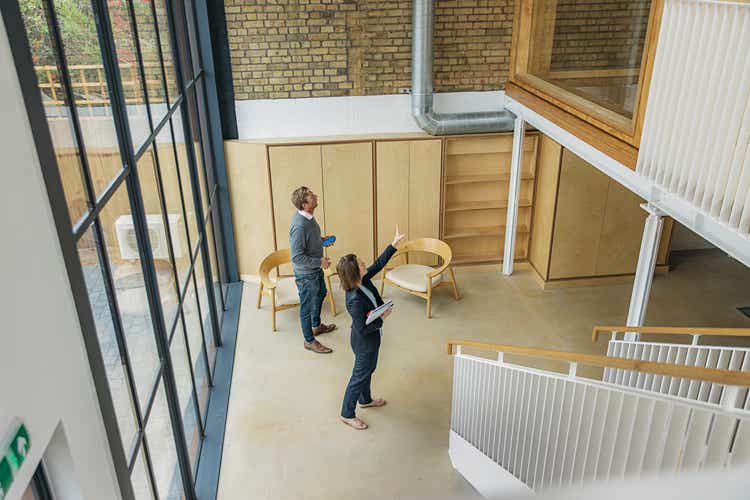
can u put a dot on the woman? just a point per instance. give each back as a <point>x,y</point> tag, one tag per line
<point>361,298</point>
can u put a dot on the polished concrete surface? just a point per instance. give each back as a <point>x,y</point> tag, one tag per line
<point>284,439</point>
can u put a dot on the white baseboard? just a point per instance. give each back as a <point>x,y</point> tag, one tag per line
<point>488,478</point>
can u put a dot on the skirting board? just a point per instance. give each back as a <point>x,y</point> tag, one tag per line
<point>488,478</point>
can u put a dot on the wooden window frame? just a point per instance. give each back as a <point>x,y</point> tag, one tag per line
<point>627,130</point>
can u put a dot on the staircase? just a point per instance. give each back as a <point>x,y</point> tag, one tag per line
<point>516,428</point>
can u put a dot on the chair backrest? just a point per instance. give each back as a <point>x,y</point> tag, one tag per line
<point>271,262</point>
<point>428,245</point>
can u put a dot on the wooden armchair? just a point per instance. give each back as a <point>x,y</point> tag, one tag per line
<point>418,279</point>
<point>283,290</point>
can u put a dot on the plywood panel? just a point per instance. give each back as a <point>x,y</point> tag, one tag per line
<point>348,190</point>
<point>424,194</point>
<point>622,230</point>
<point>581,202</point>
<point>545,199</point>
<point>250,201</point>
<point>392,191</point>
<point>292,167</point>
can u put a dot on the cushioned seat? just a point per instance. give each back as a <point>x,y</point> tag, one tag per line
<point>412,277</point>
<point>286,292</point>
<point>283,291</point>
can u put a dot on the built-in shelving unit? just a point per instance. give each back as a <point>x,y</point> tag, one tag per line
<point>475,199</point>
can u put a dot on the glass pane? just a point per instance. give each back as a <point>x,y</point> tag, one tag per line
<point>171,187</point>
<point>142,486</point>
<point>166,48</point>
<point>158,235</point>
<point>162,449</point>
<point>119,384</point>
<point>182,43</point>
<point>127,59</point>
<point>56,107</point>
<point>208,330</point>
<point>189,10</point>
<point>195,343</point>
<point>185,180</point>
<point>215,271</point>
<point>151,62</point>
<point>593,53</point>
<point>124,260</point>
<point>89,87</point>
<point>198,148</point>
<point>184,380</point>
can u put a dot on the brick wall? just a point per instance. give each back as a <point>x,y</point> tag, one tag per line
<point>592,34</point>
<point>316,48</point>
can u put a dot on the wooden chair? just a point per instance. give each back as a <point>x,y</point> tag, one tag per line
<point>418,279</point>
<point>283,290</point>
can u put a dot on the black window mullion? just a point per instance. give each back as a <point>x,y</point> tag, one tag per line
<point>119,113</point>
<point>149,465</point>
<point>79,229</point>
<point>192,167</point>
<point>203,336</point>
<point>160,52</point>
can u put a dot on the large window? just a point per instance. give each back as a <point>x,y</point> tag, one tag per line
<point>124,94</point>
<point>585,57</point>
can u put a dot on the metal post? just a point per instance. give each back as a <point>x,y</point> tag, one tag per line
<point>513,189</point>
<point>644,272</point>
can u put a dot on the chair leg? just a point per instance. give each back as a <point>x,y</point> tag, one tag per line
<point>429,302</point>
<point>382,285</point>
<point>330,296</point>
<point>273,310</point>
<point>260,295</point>
<point>455,285</point>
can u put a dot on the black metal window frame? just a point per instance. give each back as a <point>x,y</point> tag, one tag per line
<point>199,89</point>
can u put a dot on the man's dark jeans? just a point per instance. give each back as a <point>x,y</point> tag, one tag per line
<point>312,292</point>
<point>359,383</point>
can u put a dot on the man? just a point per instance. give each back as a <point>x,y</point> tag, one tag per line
<point>306,246</point>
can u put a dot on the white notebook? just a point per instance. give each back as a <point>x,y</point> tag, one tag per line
<point>378,311</point>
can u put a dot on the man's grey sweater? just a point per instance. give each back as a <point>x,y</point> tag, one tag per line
<point>306,244</point>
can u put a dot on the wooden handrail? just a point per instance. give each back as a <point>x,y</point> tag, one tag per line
<point>672,330</point>
<point>726,377</point>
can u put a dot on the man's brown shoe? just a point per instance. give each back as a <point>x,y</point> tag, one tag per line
<point>323,328</point>
<point>316,346</point>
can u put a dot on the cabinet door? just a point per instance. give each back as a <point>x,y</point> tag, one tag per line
<point>424,194</point>
<point>581,202</point>
<point>622,230</point>
<point>348,192</point>
<point>250,199</point>
<point>292,167</point>
<point>392,192</point>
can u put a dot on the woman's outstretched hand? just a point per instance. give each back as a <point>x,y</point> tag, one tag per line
<point>398,237</point>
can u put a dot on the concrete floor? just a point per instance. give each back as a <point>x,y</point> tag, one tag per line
<point>284,439</point>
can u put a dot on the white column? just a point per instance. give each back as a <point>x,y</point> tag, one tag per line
<point>515,184</point>
<point>644,272</point>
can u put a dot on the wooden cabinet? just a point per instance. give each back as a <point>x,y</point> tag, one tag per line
<point>250,198</point>
<point>585,225</point>
<point>292,167</point>
<point>348,197</point>
<point>477,175</point>
<point>408,192</point>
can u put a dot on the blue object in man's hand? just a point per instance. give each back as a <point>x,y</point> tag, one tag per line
<point>329,241</point>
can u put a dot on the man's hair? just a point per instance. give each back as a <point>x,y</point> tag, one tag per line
<point>299,196</point>
<point>348,270</point>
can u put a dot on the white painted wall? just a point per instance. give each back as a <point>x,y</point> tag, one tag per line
<point>45,378</point>
<point>326,116</point>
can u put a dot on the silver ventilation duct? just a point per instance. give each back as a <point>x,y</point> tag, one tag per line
<point>421,87</point>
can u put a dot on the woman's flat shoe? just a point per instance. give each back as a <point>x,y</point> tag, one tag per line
<point>374,403</point>
<point>355,422</point>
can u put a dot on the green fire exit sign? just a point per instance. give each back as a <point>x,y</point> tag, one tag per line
<point>14,451</point>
